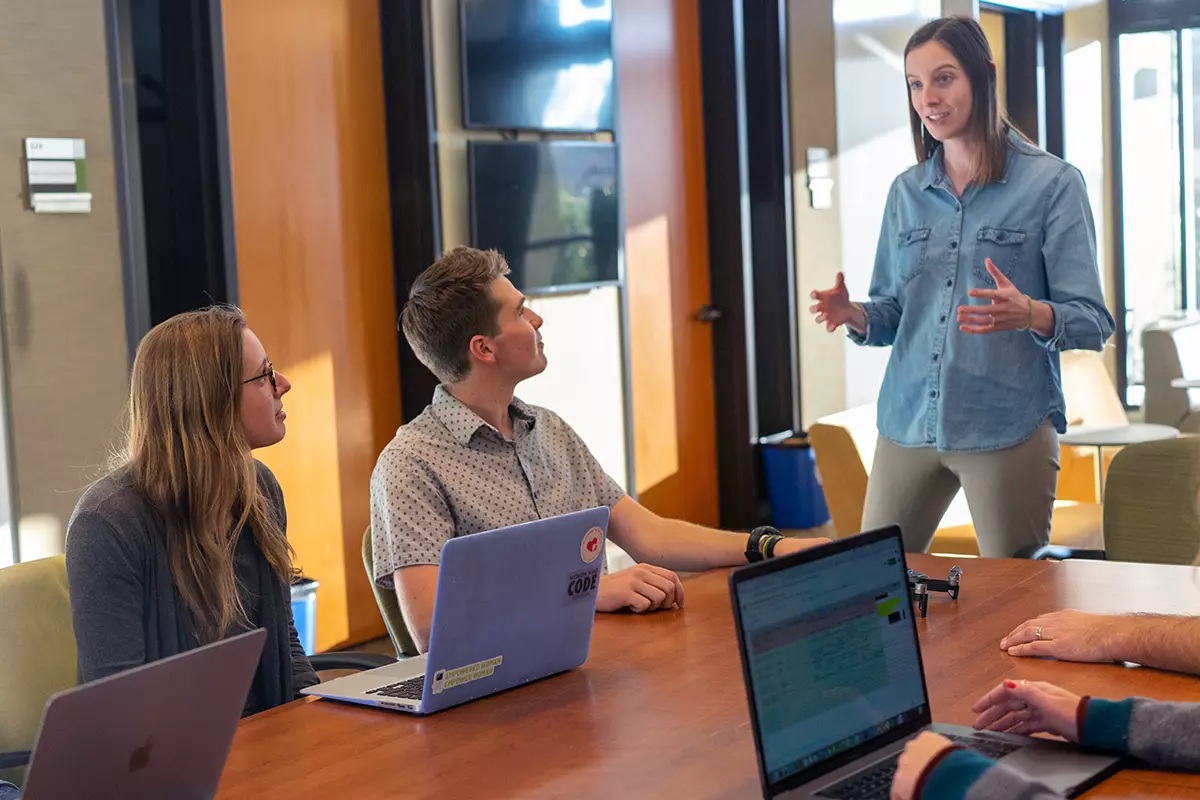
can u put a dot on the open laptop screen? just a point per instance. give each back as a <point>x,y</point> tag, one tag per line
<point>831,654</point>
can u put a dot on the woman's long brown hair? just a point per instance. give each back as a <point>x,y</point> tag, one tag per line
<point>188,454</point>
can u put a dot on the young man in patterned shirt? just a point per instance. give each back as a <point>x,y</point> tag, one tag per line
<point>478,458</point>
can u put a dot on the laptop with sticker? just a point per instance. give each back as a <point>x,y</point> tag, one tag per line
<point>513,605</point>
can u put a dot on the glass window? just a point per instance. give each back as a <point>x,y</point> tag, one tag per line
<point>1151,179</point>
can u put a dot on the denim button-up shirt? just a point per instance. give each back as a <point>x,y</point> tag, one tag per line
<point>973,392</point>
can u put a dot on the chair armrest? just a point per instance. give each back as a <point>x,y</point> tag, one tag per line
<point>1058,552</point>
<point>14,758</point>
<point>349,660</point>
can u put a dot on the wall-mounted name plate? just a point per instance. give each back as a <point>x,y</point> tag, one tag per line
<point>820,178</point>
<point>57,174</point>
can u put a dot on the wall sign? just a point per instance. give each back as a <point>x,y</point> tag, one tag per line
<point>57,174</point>
<point>820,178</point>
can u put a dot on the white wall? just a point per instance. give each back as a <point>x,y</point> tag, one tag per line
<point>874,145</point>
<point>584,380</point>
<point>1087,133</point>
<point>812,64</point>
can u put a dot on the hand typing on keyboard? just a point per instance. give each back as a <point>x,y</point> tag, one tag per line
<point>1029,707</point>
<point>919,752</point>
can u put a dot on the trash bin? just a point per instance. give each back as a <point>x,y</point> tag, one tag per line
<point>793,485</point>
<point>304,612</point>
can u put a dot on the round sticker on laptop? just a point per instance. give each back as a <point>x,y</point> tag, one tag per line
<point>592,545</point>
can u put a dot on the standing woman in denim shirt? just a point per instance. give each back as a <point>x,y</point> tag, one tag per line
<point>985,270</point>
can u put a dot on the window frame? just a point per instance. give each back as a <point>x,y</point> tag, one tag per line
<point>1144,16</point>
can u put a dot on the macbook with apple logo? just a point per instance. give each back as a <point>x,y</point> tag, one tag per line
<point>161,730</point>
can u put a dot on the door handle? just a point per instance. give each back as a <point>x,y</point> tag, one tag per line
<point>707,314</point>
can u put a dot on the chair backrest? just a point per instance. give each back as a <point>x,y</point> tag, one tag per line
<point>389,605</point>
<point>843,476</point>
<point>1089,392</point>
<point>1150,503</point>
<point>38,641</point>
<point>1164,404</point>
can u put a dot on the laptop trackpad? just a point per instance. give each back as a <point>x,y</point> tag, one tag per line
<point>1063,769</point>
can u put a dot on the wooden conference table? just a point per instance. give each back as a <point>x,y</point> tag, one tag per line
<point>659,709</point>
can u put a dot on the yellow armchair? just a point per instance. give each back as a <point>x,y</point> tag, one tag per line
<point>39,649</point>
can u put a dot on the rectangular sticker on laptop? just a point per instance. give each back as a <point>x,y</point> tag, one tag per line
<point>583,584</point>
<point>449,678</point>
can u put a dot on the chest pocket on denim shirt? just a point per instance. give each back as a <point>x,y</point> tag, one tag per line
<point>1004,246</point>
<point>910,253</point>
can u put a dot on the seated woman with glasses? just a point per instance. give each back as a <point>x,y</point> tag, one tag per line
<point>184,542</point>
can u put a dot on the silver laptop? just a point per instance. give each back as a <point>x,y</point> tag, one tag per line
<point>513,605</point>
<point>162,730</point>
<point>835,682</point>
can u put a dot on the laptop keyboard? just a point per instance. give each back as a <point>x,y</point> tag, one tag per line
<point>875,782</point>
<point>411,689</point>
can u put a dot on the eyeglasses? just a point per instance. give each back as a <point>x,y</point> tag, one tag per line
<point>269,374</point>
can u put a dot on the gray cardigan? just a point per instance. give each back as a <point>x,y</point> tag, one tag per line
<point>127,611</point>
<point>1163,735</point>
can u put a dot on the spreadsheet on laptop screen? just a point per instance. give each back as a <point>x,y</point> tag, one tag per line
<point>832,655</point>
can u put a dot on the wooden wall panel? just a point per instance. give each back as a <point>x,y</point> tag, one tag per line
<point>657,48</point>
<point>311,214</point>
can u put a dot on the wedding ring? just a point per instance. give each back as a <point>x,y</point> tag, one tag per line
<point>1037,633</point>
<point>992,320</point>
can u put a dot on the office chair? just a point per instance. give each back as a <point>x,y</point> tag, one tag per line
<point>1150,503</point>
<point>389,605</point>
<point>40,656</point>
<point>1150,506</point>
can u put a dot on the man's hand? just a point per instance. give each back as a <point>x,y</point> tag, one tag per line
<point>788,546</point>
<point>1066,635</point>
<point>640,588</point>
<point>916,756</point>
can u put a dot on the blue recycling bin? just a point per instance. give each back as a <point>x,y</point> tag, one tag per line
<point>304,612</point>
<point>793,485</point>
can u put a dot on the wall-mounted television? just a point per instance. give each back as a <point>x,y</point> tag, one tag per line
<point>541,65</point>
<point>551,208</point>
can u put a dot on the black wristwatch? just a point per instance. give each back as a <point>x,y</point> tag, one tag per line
<point>754,543</point>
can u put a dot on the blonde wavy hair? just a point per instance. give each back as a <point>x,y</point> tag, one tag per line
<point>188,454</point>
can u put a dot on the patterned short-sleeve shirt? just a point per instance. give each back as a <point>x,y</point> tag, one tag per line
<point>448,473</point>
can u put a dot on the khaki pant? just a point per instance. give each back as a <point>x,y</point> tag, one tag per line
<point>1010,492</point>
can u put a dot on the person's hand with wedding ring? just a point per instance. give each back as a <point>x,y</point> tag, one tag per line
<point>1029,707</point>
<point>1066,635</point>
<point>1009,309</point>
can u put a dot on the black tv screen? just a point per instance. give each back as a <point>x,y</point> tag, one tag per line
<point>550,208</point>
<point>542,65</point>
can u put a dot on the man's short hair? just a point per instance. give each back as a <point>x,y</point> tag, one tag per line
<point>448,305</point>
